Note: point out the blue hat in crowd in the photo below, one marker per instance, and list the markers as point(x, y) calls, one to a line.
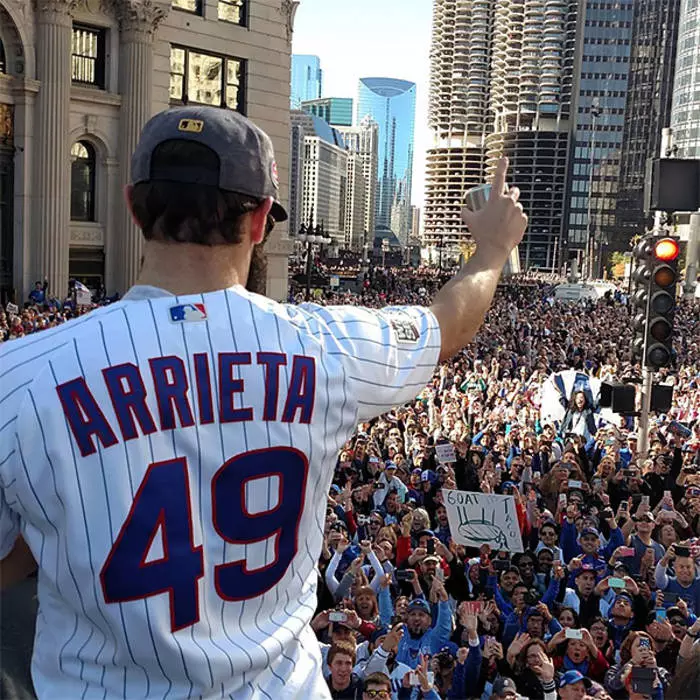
point(419, 604)
point(589, 531)
point(390, 465)
point(450, 648)
point(336, 489)
point(379, 632)
point(428, 475)
point(571, 677)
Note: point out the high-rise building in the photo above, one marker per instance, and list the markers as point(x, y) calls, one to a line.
point(648, 110)
point(337, 111)
point(307, 79)
point(356, 196)
point(391, 103)
point(458, 115)
point(501, 76)
point(603, 60)
point(363, 140)
point(324, 173)
point(685, 112)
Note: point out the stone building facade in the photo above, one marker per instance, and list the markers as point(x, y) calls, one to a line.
point(78, 80)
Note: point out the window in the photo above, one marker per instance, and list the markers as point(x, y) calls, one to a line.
point(3, 64)
point(202, 78)
point(88, 56)
point(233, 11)
point(193, 6)
point(82, 182)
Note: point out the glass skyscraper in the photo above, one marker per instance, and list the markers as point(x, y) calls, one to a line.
point(685, 115)
point(600, 115)
point(648, 111)
point(337, 111)
point(391, 103)
point(307, 79)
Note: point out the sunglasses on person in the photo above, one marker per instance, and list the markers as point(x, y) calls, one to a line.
point(381, 694)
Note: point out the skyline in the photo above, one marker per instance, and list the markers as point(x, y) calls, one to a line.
point(398, 40)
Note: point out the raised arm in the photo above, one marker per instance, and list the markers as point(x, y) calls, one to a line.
point(461, 305)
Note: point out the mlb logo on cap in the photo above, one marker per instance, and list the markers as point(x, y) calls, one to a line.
point(188, 312)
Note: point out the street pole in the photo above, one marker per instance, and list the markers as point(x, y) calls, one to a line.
point(309, 253)
point(647, 384)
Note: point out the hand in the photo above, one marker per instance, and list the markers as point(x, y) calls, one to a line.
point(500, 225)
point(544, 611)
point(422, 672)
point(462, 654)
point(406, 524)
point(385, 581)
point(365, 547)
point(356, 564)
point(493, 649)
point(543, 667)
point(682, 606)
point(661, 630)
point(353, 620)
point(588, 641)
point(439, 589)
point(342, 545)
point(576, 563)
point(392, 639)
point(558, 638)
point(517, 645)
point(631, 585)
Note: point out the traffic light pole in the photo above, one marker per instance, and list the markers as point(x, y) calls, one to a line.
point(643, 437)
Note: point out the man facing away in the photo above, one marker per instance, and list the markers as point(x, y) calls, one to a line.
point(165, 458)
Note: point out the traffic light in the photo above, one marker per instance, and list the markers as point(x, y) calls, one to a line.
point(661, 301)
point(641, 276)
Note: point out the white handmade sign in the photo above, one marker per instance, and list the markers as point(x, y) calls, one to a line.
point(83, 297)
point(12, 308)
point(445, 452)
point(477, 519)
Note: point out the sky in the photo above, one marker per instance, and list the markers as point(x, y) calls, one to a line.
point(371, 38)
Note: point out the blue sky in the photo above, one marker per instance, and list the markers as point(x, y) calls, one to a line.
point(363, 38)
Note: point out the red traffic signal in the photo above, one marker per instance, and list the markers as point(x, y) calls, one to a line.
point(666, 249)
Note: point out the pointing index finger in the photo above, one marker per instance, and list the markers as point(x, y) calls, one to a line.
point(499, 179)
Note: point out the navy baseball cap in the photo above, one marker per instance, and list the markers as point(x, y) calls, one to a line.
point(246, 157)
point(590, 531)
point(419, 604)
point(571, 677)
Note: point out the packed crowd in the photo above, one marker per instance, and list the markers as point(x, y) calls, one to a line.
point(602, 601)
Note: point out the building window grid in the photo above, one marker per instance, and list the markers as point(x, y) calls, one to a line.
point(226, 76)
point(88, 56)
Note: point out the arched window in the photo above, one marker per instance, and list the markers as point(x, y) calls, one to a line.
point(82, 182)
point(3, 63)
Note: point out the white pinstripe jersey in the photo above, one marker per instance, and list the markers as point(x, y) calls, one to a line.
point(168, 460)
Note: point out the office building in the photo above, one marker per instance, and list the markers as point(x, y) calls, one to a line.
point(501, 77)
point(391, 103)
point(648, 109)
point(77, 84)
point(685, 111)
point(356, 197)
point(307, 79)
point(603, 62)
point(363, 140)
point(324, 168)
point(337, 111)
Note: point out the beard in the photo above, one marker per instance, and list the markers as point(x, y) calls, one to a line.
point(257, 276)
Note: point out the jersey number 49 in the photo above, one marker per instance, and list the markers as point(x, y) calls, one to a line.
point(163, 503)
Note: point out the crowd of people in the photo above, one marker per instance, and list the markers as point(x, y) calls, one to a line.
point(604, 599)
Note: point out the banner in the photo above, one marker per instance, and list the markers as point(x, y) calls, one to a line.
point(12, 308)
point(445, 452)
point(477, 519)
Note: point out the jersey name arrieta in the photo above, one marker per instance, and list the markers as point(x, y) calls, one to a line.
point(167, 459)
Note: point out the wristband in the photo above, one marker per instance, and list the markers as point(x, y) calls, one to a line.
point(692, 636)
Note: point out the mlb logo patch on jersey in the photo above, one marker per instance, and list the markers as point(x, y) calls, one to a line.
point(404, 327)
point(188, 312)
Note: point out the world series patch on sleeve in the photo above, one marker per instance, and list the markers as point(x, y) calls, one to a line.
point(404, 327)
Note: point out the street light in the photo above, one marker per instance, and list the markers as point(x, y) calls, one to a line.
point(310, 236)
